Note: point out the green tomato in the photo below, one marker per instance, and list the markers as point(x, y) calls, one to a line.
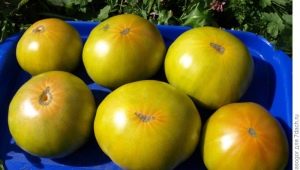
point(123, 49)
point(209, 64)
point(52, 114)
point(49, 44)
point(147, 124)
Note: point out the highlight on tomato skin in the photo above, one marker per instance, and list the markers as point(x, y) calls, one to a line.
point(244, 136)
point(47, 45)
point(151, 125)
point(51, 115)
point(123, 49)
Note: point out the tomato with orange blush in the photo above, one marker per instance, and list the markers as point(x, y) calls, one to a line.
point(244, 136)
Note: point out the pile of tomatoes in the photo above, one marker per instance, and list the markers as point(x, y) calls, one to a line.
point(144, 123)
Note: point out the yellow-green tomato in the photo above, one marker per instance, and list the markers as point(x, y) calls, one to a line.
point(209, 64)
point(52, 114)
point(147, 125)
point(244, 136)
point(122, 49)
point(47, 45)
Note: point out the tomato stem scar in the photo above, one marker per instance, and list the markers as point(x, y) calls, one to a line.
point(125, 31)
point(144, 117)
point(252, 132)
point(40, 28)
point(106, 27)
point(218, 47)
point(45, 97)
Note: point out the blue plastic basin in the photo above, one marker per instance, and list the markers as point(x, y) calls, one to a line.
point(271, 87)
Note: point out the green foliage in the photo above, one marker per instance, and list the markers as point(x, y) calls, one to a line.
point(265, 3)
point(273, 22)
point(160, 12)
point(78, 5)
point(7, 10)
point(197, 15)
point(269, 18)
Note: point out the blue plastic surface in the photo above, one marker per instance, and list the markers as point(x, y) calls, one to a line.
point(271, 87)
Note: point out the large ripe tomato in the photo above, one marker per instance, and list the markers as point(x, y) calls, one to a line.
point(49, 44)
point(209, 64)
point(147, 125)
point(244, 136)
point(122, 49)
point(52, 114)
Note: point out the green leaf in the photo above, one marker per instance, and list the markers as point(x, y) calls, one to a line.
point(60, 3)
point(22, 3)
point(265, 3)
point(281, 2)
point(287, 18)
point(69, 3)
point(274, 23)
point(150, 4)
point(197, 17)
point(285, 40)
point(104, 13)
point(164, 16)
point(144, 14)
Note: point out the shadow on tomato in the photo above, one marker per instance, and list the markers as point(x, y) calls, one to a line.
point(82, 74)
point(194, 162)
point(289, 134)
point(88, 155)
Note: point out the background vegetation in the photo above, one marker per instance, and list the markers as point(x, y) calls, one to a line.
point(269, 18)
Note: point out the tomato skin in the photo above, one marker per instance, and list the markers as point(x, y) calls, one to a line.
point(209, 64)
point(244, 136)
point(52, 114)
point(49, 44)
point(147, 124)
point(122, 49)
